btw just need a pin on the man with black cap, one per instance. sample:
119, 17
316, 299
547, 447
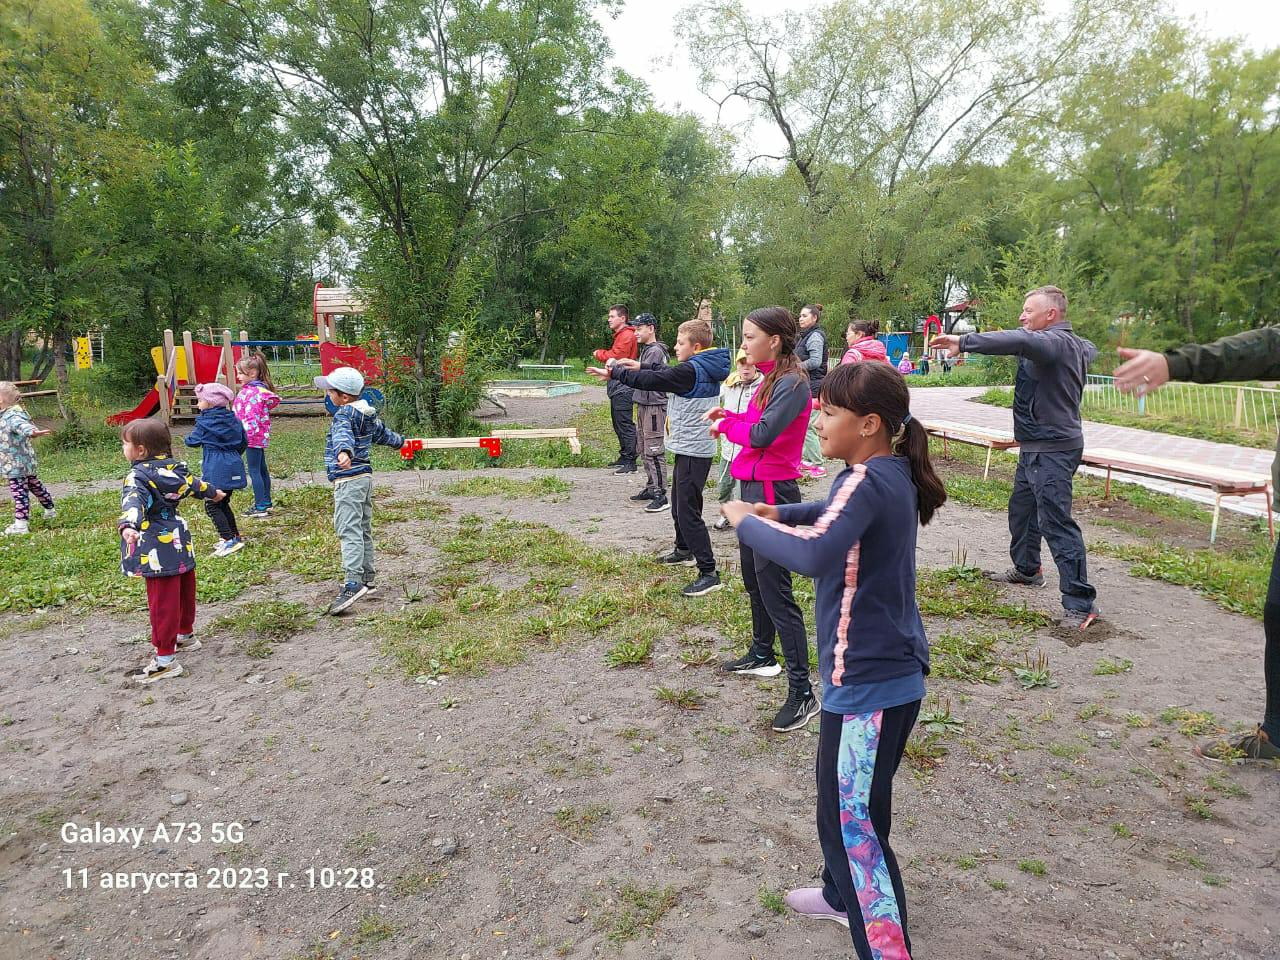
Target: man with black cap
651, 417
621, 397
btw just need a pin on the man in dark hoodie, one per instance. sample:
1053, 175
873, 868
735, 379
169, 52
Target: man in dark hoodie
694, 384
1052, 363
651, 417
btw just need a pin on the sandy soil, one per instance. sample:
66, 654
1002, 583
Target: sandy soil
330, 759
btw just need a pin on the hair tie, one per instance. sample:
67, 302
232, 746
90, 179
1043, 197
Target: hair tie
907, 418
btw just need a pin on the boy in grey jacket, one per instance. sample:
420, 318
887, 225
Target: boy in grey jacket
694, 385
651, 417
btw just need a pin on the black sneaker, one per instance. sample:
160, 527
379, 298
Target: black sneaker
722, 524
658, 504
796, 712
615, 463
706, 583
370, 589
1015, 576
753, 666
678, 558
645, 494
349, 594
625, 468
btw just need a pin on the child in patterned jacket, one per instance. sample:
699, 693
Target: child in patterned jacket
18, 459
155, 542
253, 406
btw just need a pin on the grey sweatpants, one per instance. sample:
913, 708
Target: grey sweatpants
353, 523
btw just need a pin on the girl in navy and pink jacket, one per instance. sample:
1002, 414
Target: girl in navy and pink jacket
771, 434
859, 546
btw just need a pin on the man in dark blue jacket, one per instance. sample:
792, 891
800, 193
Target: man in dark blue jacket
1052, 363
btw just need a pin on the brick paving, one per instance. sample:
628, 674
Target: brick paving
957, 404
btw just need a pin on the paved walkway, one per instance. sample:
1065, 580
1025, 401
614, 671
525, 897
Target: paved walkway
956, 403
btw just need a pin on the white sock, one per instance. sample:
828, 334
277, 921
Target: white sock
165, 661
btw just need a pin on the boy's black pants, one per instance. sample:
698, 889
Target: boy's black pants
687, 482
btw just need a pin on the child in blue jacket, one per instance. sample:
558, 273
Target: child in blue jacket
354, 431
860, 548
222, 464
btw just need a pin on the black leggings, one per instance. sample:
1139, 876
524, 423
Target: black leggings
224, 521
1271, 653
774, 611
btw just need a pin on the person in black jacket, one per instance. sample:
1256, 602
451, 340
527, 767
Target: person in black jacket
1251, 355
1052, 362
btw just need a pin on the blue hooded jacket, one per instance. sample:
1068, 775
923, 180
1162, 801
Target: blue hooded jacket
223, 439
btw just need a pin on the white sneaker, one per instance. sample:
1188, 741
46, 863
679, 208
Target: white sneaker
50, 513
153, 672
187, 642
218, 547
17, 529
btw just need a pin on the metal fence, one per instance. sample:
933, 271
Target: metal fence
1221, 405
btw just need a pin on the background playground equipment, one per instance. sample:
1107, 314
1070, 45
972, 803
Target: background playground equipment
493, 442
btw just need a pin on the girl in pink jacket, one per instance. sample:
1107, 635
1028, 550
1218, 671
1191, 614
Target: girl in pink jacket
253, 406
771, 434
863, 345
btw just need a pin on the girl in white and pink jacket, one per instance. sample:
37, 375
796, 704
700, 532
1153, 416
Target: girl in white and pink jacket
253, 406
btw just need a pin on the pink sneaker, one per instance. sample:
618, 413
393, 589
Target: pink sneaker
809, 902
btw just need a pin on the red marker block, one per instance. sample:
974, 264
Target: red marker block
493, 445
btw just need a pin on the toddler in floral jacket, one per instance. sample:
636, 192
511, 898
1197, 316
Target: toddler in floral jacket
253, 406
18, 460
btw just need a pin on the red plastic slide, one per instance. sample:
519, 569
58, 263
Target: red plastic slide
207, 361
149, 406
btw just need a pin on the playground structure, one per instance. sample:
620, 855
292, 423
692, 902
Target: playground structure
180, 368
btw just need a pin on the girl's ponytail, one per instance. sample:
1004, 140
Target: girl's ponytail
878, 388
912, 442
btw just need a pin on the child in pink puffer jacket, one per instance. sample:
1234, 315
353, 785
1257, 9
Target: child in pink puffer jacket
253, 406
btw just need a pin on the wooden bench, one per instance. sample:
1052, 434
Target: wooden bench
1223, 481
564, 368
446, 443
974, 436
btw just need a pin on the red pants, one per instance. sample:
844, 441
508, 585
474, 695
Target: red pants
172, 602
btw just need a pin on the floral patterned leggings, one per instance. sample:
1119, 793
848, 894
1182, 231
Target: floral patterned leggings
19, 487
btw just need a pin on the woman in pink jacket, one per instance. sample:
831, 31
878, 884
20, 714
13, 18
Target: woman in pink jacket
771, 434
253, 406
863, 345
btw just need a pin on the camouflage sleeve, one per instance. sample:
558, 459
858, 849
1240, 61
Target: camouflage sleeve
1252, 355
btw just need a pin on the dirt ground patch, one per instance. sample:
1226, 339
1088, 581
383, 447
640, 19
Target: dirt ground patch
559, 808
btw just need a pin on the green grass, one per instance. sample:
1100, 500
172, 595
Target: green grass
1233, 573
263, 624
491, 485
772, 901
1036, 868
579, 823
963, 591
635, 911
1106, 667
1234, 580
552, 589
74, 561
